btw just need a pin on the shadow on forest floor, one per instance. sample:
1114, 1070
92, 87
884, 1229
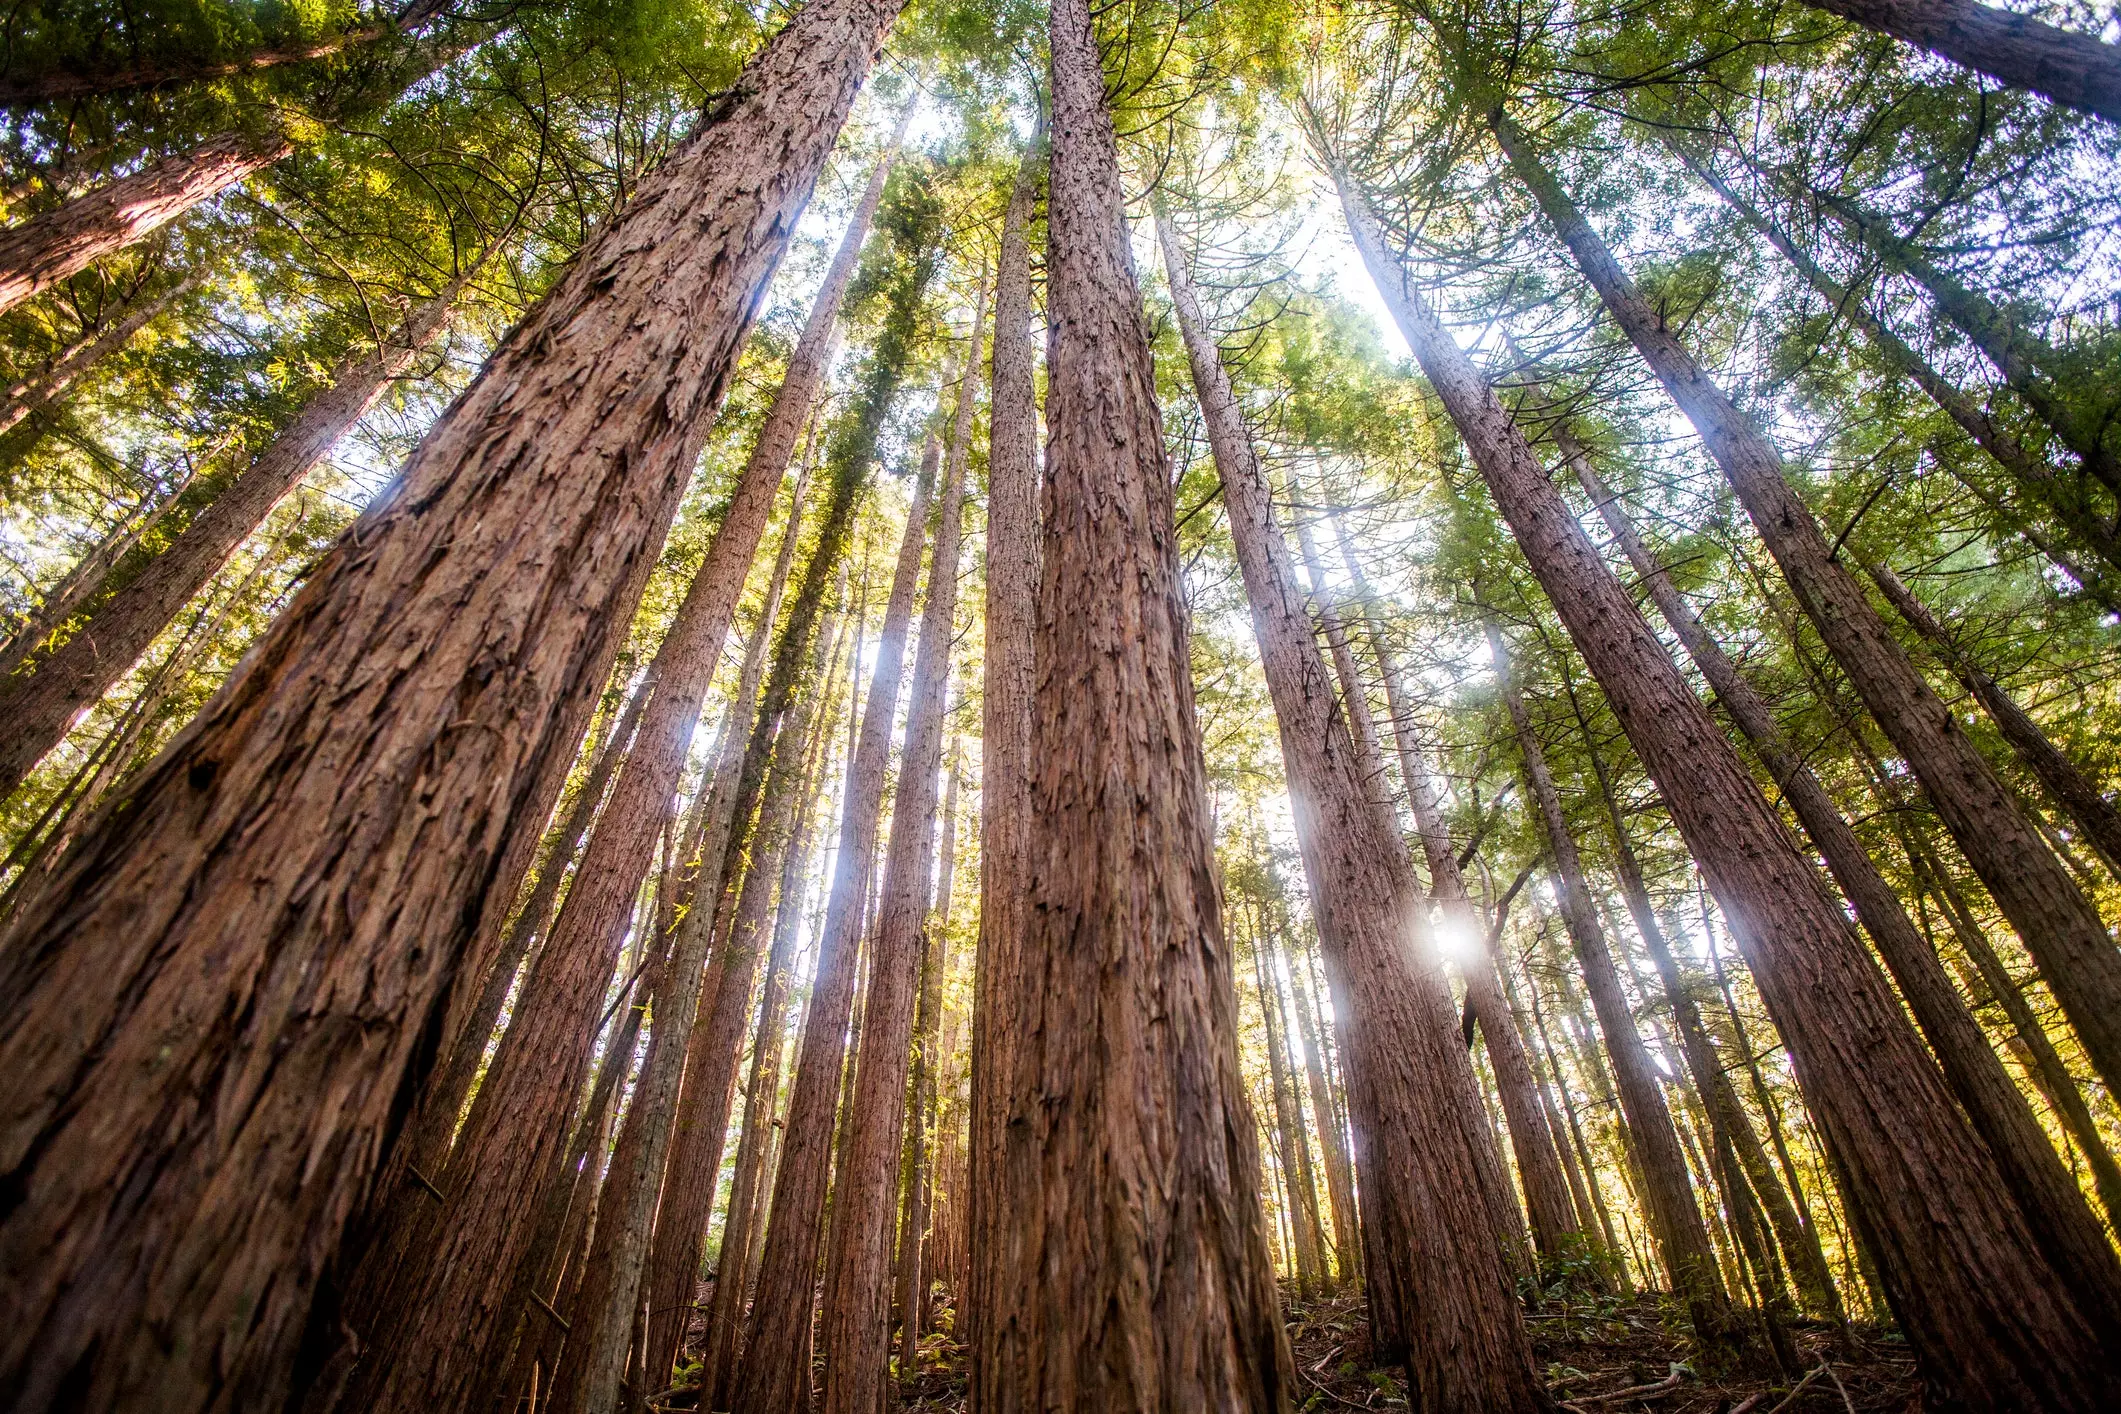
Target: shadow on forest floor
1598, 1356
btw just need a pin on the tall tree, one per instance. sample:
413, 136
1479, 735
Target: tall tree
277, 856
1140, 1275
1440, 1294
2078, 70
1994, 1323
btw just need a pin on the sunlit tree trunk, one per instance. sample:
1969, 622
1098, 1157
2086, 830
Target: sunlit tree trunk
1994, 1323
1289, 1128
1332, 1135
915, 1203
1141, 1278
1673, 1208
2058, 923
865, 1193
1005, 736
67, 367
774, 1375
312, 858
1439, 1287
41, 699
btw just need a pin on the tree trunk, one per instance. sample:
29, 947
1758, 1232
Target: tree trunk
918, 1166
865, 1195
1991, 1320
2032, 474
67, 367
1440, 1293
283, 865
1008, 685
1576, 1160
1139, 1277
775, 1373
745, 1223
1673, 1208
2076, 70
1289, 1128
62, 242
1991, 1099
61, 84
1332, 1137
2065, 781
1553, 1220
41, 699
2059, 925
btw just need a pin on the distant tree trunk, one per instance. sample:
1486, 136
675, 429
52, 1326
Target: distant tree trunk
328, 836
1576, 1159
2031, 473
1440, 1292
1674, 1210
67, 367
775, 1373
1289, 1128
746, 1220
1553, 1220
1993, 1322
1991, 1098
2065, 781
40, 700
865, 1194
40, 252
918, 1166
2058, 923
1005, 739
1332, 1136
1139, 1275
58, 85
1741, 1164
2077, 70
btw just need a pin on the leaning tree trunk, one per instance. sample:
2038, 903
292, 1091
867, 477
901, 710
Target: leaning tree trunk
1992, 1100
1140, 1276
2074, 791
40, 701
2032, 474
2076, 70
66, 369
775, 1373
62, 84
2060, 927
1005, 735
311, 858
62, 242
1440, 1291
1674, 1210
1555, 1230
857, 1328
1994, 1324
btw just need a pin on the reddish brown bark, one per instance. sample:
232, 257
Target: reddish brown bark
66, 240
58, 84
2077, 70
1440, 1293
1990, 1319
309, 861
1143, 1278
1546, 1191
1005, 734
865, 1192
1673, 1208
2035, 891
40, 700
774, 1375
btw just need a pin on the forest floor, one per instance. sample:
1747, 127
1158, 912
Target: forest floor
1598, 1356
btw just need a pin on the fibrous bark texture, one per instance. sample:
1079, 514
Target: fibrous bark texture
2078, 70
1005, 723
1989, 1318
1440, 1296
1143, 1279
68, 239
39, 701
220, 1003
